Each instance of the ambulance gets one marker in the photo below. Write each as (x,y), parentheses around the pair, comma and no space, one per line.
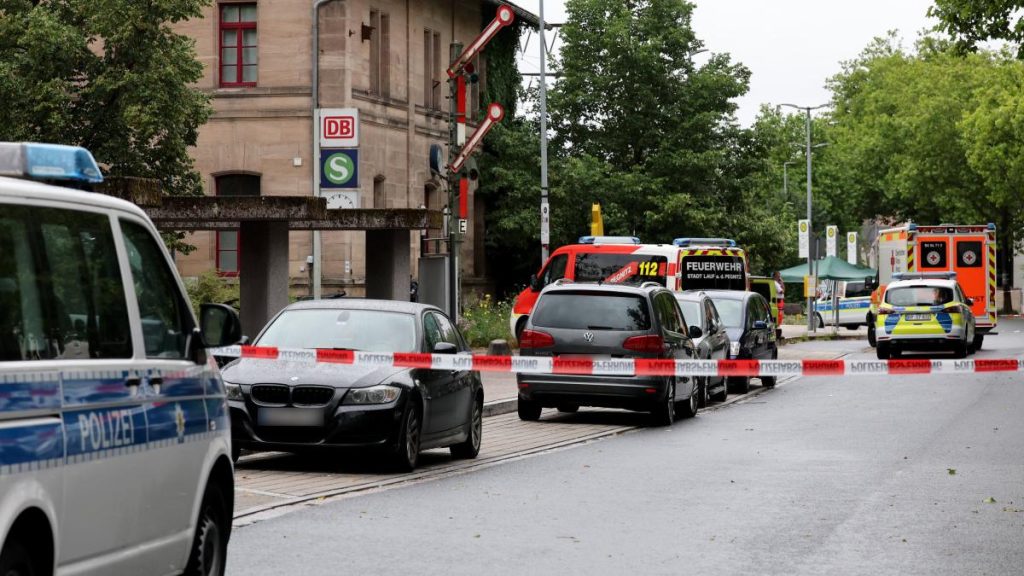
(967,250)
(686,264)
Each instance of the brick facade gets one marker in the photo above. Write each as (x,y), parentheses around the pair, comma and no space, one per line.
(266,130)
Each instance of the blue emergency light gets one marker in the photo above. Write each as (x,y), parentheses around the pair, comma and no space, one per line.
(609,240)
(54,162)
(685,242)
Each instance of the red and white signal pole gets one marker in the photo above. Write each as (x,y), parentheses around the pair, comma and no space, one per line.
(460,148)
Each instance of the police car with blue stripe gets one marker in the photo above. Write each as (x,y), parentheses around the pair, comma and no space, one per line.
(115,447)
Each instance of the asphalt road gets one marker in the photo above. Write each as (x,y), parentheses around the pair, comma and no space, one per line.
(899,475)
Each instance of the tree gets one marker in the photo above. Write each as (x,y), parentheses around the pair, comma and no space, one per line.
(645,130)
(109,75)
(931,136)
(970,22)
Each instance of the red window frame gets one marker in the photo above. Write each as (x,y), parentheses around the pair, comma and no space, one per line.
(237,251)
(239,28)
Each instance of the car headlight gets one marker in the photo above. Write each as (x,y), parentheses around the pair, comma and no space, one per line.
(234,391)
(382,394)
(734,349)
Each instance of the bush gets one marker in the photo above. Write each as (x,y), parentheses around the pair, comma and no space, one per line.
(486,320)
(209,288)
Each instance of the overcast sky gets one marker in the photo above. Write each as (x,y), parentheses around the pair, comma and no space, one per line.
(790,46)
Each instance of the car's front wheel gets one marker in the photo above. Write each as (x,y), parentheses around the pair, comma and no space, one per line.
(872,340)
(738,384)
(471,446)
(882,350)
(664,413)
(688,407)
(210,543)
(406,451)
(722,394)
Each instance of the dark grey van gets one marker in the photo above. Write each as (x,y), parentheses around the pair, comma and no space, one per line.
(604,322)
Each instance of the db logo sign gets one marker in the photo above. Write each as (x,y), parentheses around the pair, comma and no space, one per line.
(339,128)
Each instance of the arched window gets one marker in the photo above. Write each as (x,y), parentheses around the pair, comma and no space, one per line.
(228,240)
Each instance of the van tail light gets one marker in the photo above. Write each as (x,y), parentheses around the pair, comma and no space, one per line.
(645,344)
(535,339)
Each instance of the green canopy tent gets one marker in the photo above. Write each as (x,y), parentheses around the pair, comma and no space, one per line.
(830,268)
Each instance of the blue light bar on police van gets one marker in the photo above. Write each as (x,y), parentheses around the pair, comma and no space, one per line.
(684,242)
(609,240)
(924,276)
(48,162)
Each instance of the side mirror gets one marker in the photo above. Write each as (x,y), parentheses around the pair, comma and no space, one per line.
(445,348)
(760,325)
(696,332)
(535,283)
(219,325)
(870,283)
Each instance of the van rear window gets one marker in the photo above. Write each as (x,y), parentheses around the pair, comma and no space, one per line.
(592,311)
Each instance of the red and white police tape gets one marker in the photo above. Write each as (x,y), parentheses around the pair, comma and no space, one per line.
(624,366)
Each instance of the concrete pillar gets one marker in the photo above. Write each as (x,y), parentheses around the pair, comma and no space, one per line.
(263,273)
(387,264)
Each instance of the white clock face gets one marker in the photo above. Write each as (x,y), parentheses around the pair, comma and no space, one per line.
(342,200)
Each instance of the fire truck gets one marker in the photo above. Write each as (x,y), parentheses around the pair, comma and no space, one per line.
(969,251)
(686,264)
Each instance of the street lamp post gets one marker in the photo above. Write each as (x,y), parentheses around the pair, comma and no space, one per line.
(545,215)
(810,228)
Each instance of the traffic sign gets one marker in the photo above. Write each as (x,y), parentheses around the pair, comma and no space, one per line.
(803,228)
(504,17)
(831,233)
(851,248)
(339,127)
(339,168)
(463,226)
(495,112)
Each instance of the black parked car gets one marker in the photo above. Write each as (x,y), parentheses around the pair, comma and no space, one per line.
(291,406)
(603,322)
(713,343)
(748,320)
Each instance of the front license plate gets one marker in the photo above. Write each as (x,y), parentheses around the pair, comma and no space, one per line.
(290,417)
(919,317)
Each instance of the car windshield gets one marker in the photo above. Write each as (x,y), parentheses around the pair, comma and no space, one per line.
(691,312)
(731,311)
(368,330)
(592,311)
(919,296)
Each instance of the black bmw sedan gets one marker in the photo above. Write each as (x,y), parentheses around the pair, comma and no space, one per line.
(296,406)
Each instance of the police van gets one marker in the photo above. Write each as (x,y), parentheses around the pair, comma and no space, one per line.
(115,444)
